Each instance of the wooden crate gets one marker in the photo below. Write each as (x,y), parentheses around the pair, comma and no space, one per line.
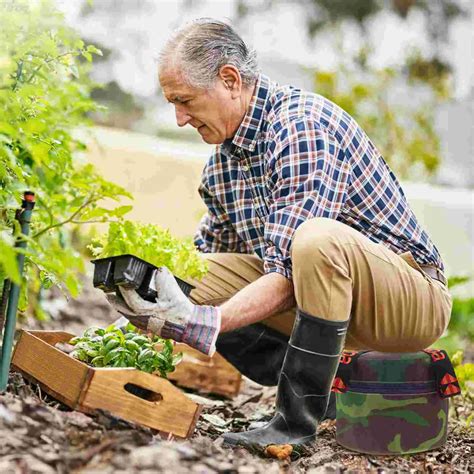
(209,374)
(166,409)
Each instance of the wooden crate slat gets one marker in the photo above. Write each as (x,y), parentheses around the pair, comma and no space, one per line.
(211,374)
(52,337)
(62,374)
(174,412)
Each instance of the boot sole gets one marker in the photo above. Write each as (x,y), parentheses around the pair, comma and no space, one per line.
(234,443)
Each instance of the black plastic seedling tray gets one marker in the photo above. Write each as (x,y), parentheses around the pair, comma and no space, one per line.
(131,272)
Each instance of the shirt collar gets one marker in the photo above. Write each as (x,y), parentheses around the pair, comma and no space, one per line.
(247,133)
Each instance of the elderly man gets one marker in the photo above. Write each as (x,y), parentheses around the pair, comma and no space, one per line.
(311,243)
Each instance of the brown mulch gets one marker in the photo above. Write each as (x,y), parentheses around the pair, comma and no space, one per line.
(40,435)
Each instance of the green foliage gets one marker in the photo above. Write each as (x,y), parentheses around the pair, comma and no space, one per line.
(457,280)
(153,244)
(462,317)
(405,135)
(111,347)
(8,258)
(332,11)
(460,332)
(321,13)
(464,372)
(433,72)
(465,376)
(45,98)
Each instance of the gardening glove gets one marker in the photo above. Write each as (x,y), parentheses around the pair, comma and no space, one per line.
(173,316)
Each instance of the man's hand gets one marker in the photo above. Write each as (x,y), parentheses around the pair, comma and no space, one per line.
(172,316)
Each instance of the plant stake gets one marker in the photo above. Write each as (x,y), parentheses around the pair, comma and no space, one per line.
(23,215)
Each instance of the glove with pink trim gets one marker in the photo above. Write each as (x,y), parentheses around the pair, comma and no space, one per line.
(173,316)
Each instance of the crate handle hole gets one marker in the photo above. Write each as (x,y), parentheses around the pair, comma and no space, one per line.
(144,393)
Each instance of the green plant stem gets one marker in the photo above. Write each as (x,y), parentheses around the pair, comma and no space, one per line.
(70,219)
(47,61)
(19,72)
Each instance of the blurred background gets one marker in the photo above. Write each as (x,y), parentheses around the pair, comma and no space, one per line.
(403,68)
(82,110)
(84,125)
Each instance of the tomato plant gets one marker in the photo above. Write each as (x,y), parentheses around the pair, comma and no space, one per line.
(45,100)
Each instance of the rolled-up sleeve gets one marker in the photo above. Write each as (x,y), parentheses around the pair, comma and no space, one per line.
(215,231)
(308,177)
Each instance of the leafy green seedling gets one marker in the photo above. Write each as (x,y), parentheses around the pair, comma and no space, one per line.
(152,244)
(111,347)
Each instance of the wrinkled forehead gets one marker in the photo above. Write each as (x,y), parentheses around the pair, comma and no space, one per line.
(173,84)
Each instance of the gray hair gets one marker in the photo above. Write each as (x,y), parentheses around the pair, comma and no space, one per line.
(200,48)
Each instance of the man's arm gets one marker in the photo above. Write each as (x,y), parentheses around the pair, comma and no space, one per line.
(268,295)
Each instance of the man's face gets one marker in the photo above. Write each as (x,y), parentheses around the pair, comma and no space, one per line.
(214,113)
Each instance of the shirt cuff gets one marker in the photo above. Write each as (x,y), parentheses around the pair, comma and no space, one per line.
(276,266)
(201,245)
(203,328)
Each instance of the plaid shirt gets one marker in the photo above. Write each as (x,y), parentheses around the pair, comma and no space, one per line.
(295,156)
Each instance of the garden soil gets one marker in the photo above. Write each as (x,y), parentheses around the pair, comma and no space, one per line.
(40,435)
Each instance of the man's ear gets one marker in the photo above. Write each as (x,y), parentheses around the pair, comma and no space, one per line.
(232,80)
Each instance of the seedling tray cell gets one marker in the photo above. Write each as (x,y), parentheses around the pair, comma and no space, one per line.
(129,271)
(132,272)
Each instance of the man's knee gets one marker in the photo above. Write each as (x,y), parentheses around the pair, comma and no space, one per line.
(320,270)
(316,237)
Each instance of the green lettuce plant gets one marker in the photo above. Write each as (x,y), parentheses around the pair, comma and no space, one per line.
(153,244)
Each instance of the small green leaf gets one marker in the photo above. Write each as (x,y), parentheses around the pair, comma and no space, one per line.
(8,261)
(92,49)
(113,354)
(111,344)
(132,346)
(130,328)
(87,55)
(177,358)
(98,361)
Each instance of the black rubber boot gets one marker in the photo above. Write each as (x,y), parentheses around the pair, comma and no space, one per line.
(257,351)
(304,386)
(331,409)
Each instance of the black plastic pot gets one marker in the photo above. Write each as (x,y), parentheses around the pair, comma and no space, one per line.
(131,272)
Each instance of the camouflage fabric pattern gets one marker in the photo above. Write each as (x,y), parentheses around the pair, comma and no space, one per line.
(402,414)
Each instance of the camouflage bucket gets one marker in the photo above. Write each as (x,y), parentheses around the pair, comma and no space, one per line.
(393,403)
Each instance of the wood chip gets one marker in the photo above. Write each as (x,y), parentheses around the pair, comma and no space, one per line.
(279,451)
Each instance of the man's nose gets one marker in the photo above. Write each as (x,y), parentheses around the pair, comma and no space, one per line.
(182,118)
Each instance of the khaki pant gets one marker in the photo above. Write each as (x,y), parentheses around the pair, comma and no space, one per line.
(339,273)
